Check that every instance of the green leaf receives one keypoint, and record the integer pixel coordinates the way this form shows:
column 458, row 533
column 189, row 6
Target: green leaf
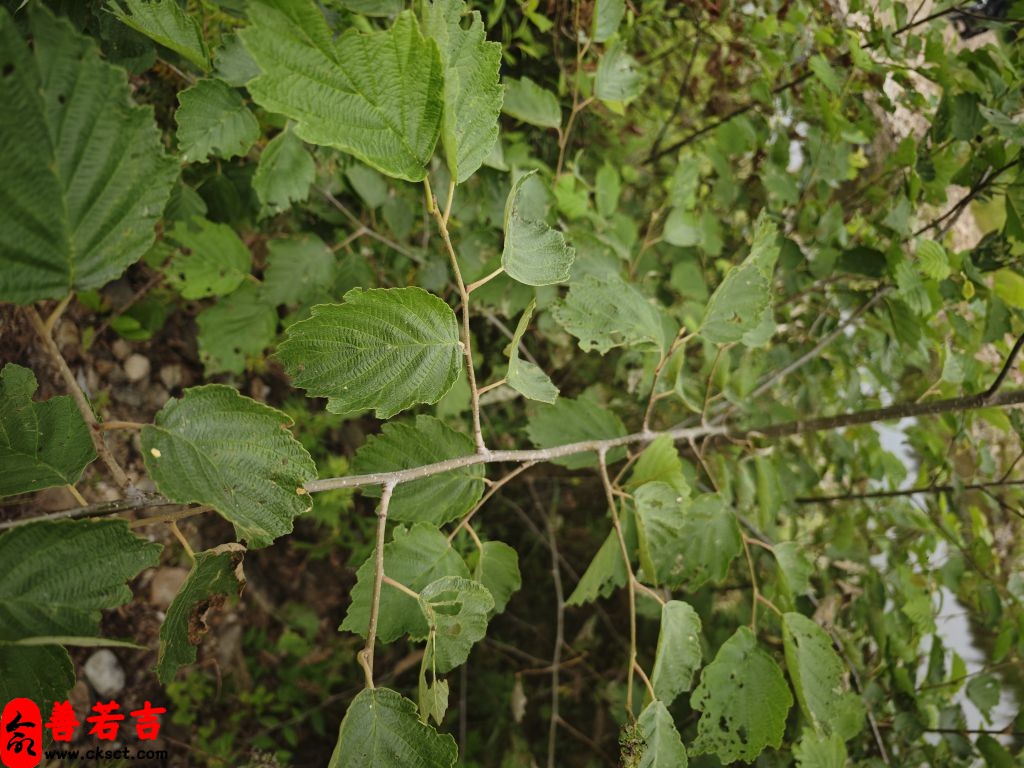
column 414, row 557
column 659, row 523
column 679, row 653
column 984, row 692
column 214, row 575
column 41, row 444
column 573, row 421
column 932, row 260
column 660, row 462
column 456, row 611
column 284, row 173
column 606, row 571
column 816, row 750
column 213, row 120
column 382, row 349
column 214, row 446
column 607, row 17
column 377, row 96
column 381, row 730
column 607, row 189
column 86, row 175
column 663, row 747
column 437, row 499
column 496, row 565
column 530, row 103
column 709, row 540
column 472, row 94
column 523, row 376
column 44, row 674
column 534, row 253
column 795, row 569
column 1009, row 286
column 618, row 77
column 211, row 259
column 432, row 697
column 743, row 700
column 824, row 72
column 298, row 270
column 743, row 301
column 235, row 329
column 166, row 23
column 607, row 312
column 817, row 674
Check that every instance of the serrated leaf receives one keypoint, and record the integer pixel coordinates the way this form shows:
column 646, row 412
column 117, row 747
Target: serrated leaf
column 236, row 328
column 414, row 557
column 573, row 421
column 984, row 692
column 44, row 674
column 472, row 94
column 383, row 349
column 607, row 571
column 743, row 301
column 214, row 446
column 41, row 444
column 86, row 175
column 456, row 610
column 607, row 17
column 607, row 312
column 211, row 259
column 795, row 569
column 816, row 750
column 932, row 260
column 817, row 674
column 232, row 63
column 709, row 540
column 298, row 270
column 659, row 523
column 618, row 75
column 377, row 96
column 381, row 730
column 663, row 747
column 743, row 700
column 911, row 290
column 825, row 73
column 679, row 654
column 437, row 499
column 529, row 102
column 496, row 565
column 607, row 189
column 534, row 253
column 213, row 120
column 213, row 577
column 523, row 376
column 166, row 23
column 660, row 462
column 284, row 173
column 432, row 696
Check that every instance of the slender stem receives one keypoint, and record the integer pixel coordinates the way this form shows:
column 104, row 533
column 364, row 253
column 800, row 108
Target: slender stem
column 679, row 340
column 448, row 202
column 755, row 599
column 400, row 587
column 484, row 280
column 648, row 591
column 464, row 522
column 366, row 655
column 907, row 492
column 108, row 425
column 646, row 680
column 55, row 315
column 556, row 656
column 170, row 517
column 492, row 385
column 173, row 525
column 77, row 496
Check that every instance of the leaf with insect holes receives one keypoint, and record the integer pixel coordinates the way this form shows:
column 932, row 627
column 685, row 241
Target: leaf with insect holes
column 456, row 611
column 211, row 259
column 660, row 523
column 525, row 377
column 607, row 312
column 214, row 446
column 213, row 121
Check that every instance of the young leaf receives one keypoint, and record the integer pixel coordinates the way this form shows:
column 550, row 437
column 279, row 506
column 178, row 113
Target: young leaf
column 529, row 102
column 663, row 745
column 496, row 566
column 284, row 173
column 608, row 312
column 984, row 693
column 743, row 301
column 817, row 674
column 815, row 750
column 659, row 462
column 679, row 653
column 523, row 376
column 41, row 444
column 299, row 269
column 572, row 421
column 436, row 499
column 795, row 569
column 472, row 94
column 214, row 446
column 214, row 575
column 743, row 700
column 607, row 17
column 932, row 260
column 382, row 349
column 166, row 23
column 377, row 96
column 86, row 176
column 432, row 697
column 414, row 557
column 381, row 730
column 534, row 253
column 618, row 78
column 213, row 120
column 237, row 327
column 211, row 259
column 456, row 611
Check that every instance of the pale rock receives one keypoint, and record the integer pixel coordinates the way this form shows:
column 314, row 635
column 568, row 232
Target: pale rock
column 121, row 349
column 104, row 673
column 136, row 367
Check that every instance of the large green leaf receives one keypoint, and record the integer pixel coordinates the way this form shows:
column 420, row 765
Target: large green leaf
column 214, row 575
column 607, row 312
column 663, row 747
column 213, row 120
column 817, row 673
column 606, row 571
column 437, row 499
column 525, row 377
column 284, row 173
column 381, row 730
column 385, row 349
column 743, row 699
column 618, row 79
column 534, row 253
column 236, row 328
column 214, row 446
column 377, row 96
column 529, row 102
column 679, row 653
column 41, row 444
column 456, row 611
column 660, row 523
column 472, row 95
column 815, row 750
column 496, row 565
column 165, row 22
column 211, row 259
column 687, row 543
column 660, row 462
column 573, row 421
column 414, row 557
column 298, row 269
column 85, row 174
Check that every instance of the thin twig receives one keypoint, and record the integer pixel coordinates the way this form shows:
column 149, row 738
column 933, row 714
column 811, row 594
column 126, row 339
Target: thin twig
column 366, row 655
column 556, row 657
column 495, row 487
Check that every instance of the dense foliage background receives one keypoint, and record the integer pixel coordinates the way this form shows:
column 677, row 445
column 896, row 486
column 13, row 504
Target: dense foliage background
column 696, row 214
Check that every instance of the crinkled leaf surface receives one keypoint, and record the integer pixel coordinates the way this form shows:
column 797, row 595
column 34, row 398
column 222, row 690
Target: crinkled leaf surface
column 298, row 269
column 377, row 96
column 663, row 747
column 86, row 176
column 472, row 94
column 284, row 173
column 41, row 444
column 426, row 440
column 165, row 22
column 743, row 700
column 43, row 673
column 211, row 259
column 415, row 557
column 236, row 328
column 660, row 522
column 456, row 610
column 432, row 695
column 523, row 376
column 385, row 349
column 709, row 541
column 574, row 421
column 607, row 312
column 381, row 730
column 679, row 653
column 529, row 102
column 214, row 446
column 213, row 576
column 496, row 566
column 213, row 121
column 534, row 253
column 618, row 76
